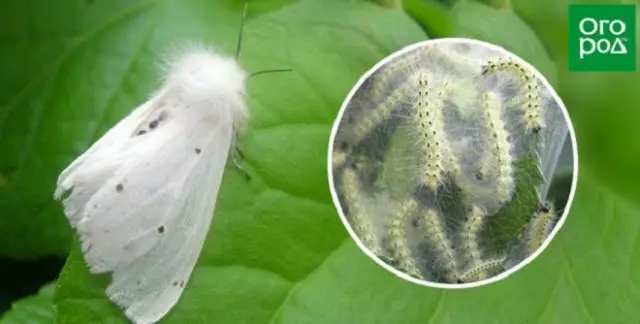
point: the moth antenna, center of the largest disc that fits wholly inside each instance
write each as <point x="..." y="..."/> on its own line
<point x="244" y="16"/>
<point x="269" y="71"/>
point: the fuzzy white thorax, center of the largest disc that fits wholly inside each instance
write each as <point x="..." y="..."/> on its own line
<point x="202" y="75"/>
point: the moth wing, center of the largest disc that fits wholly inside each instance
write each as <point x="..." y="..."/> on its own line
<point x="164" y="271"/>
<point x="147" y="224"/>
<point x="87" y="172"/>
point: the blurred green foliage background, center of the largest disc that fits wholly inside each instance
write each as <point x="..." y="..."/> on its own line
<point x="277" y="252"/>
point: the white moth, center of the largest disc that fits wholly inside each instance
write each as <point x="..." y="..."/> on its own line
<point x="142" y="197"/>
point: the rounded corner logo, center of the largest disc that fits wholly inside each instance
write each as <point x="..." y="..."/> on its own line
<point x="602" y="37"/>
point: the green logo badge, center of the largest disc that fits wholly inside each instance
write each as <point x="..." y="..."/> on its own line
<point x="602" y="37"/>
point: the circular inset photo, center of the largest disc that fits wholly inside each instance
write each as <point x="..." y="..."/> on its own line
<point x="453" y="163"/>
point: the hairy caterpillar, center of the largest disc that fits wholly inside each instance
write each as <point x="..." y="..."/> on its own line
<point x="390" y="72"/>
<point x="444" y="93"/>
<point x="358" y="210"/>
<point x="529" y="94"/>
<point x="483" y="270"/>
<point x="429" y="119"/>
<point x="397" y="237"/>
<point x="541" y="226"/>
<point x="498" y="140"/>
<point x="470" y="230"/>
<point x="437" y="234"/>
<point x="338" y="158"/>
<point x="373" y="117"/>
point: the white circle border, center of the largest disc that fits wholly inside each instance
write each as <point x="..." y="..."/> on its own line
<point x="522" y="263"/>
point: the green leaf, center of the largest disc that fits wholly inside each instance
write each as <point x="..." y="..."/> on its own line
<point x="432" y="15"/>
<point x="503" y="28"/>
<point x="271" y="232"/>
<point x="594" y="259"/>
<point x="36" y="309"/>
<point x="505" y="226"/>
<point x="549" y="19"/>
<point x="389" y="4"/>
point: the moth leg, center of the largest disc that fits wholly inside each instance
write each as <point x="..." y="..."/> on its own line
<point x="238" y="152"/>
<point x="237" y="157"/>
